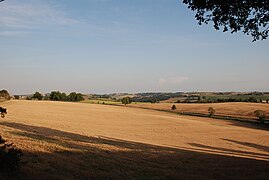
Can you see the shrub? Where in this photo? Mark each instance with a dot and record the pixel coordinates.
(4, 94)
(10, 157)
(75, 97)
(126, 100)
(260, 115)
(3, 112)
(211, 111)
(174, 107)
(38, 96)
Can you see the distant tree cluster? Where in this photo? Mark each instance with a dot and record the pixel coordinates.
(202, 99)
(5, 95)
(56, 96)
(154, 97)
(59, 96)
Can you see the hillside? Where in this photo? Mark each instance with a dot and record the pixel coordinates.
(237, 109)
(63, 140)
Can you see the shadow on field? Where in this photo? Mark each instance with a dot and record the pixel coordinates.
(81, 157)
(256, 146)
(250, 125)
(230, 151)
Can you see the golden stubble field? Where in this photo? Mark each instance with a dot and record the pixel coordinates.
(79, 141)
(237, 109)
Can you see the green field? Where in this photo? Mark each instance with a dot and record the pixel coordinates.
(100, 101)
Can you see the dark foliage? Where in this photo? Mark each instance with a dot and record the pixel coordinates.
(126, 100)
(58, 96)
(75, 97)
(174, 107)
(37, 96)
(3, 112)
(154, 97)
(10, 157)
(249, 16)
(5, 94)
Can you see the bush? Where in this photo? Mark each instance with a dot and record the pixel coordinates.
(37, 96)
(174, 107)
(260, 115)
(10, 157)
(75, 97)
(211, 111)
(126, 100)
(4, 94)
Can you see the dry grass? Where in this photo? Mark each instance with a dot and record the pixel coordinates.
(81, 141)
(238, 109)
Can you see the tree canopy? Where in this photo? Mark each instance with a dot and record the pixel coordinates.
(126, 100)
(58, 96)
(5, 94)
(38, 96)
(249, 16)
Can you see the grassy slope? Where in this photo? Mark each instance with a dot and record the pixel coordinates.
(75, 140)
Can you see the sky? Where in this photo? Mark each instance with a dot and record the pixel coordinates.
(109, 46)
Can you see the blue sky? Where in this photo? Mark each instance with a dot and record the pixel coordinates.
(105, 46)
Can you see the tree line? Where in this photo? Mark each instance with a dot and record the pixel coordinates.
(58, 96)
(220, 100)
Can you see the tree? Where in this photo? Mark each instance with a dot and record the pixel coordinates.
(5, 94)
(249, 16)
(174, 107)
(211, 111)
(260, 115)
(74, 97)
(38, 96)
(55, 96)
(126, 100)
(63, 97)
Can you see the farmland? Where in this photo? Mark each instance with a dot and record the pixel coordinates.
(236, 109)
(63, 140)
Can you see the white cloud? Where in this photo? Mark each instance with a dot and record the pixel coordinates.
(172, 80)
(18, 16)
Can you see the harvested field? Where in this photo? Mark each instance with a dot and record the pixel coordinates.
(81, 141)
(237, 109)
